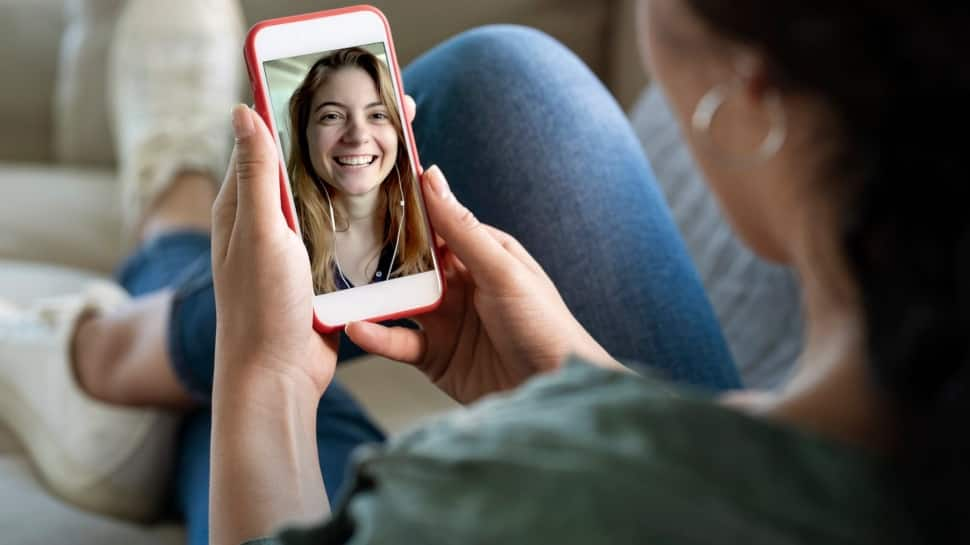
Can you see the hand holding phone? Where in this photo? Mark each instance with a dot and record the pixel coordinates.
(502, 320)
(261, 275)
(328, 86)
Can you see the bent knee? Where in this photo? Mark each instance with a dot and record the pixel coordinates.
(516, 38)
(513, 50)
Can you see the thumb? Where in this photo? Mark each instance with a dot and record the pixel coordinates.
(394, 343)
(257, 168)
(483, 256)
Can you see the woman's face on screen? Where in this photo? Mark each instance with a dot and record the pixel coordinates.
(353, 142)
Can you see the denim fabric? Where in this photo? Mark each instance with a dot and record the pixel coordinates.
(534, 144)
(181, 261)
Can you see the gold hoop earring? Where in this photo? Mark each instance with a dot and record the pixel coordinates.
(711, 103)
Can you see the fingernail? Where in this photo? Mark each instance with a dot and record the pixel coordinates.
(365, 328)
(242, 122)
(438, 183)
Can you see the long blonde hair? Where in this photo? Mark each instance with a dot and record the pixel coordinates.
(308, 187)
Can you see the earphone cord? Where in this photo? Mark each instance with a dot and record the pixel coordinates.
(397, 238)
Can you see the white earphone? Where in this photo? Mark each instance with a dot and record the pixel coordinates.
(397, 238)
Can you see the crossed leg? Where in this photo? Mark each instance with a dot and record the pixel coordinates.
(123, 357)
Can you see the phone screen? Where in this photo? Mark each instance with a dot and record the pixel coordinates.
(345, 150)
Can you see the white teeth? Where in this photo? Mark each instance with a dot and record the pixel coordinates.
(356, 160)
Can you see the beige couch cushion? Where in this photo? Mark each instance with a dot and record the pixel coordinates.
(67, 216)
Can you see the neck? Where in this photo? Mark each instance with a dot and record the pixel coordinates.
(832, 392)
(364, 221)
(359, 207)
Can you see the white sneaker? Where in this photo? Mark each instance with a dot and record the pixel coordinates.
(175, 71)
(113, 460)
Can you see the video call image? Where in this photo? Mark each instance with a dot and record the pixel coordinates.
(343, 142)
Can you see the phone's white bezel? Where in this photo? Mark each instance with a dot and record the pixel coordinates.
(397, 296)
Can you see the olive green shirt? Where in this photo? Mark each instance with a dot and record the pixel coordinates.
(591, 456)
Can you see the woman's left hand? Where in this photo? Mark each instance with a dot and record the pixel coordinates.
(271, 365)
(261, 270)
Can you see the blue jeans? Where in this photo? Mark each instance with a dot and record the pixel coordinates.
(534, 144)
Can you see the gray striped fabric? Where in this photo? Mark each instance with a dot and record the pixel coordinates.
(756, 302)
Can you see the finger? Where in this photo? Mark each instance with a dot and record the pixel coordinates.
(448, 260)
(224, 211)
(453, 263)
(486, 259)
(410, 108)
(396, 343)
(257, 170)
(514, 247)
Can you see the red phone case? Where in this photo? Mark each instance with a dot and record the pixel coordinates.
(263, 108)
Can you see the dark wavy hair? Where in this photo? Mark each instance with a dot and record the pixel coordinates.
(896, 77)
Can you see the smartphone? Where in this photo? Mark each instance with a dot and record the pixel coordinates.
(328, 86)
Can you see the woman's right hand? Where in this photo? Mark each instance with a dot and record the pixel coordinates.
(502, 319)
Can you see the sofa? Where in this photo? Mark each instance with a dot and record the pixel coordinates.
(57, 164)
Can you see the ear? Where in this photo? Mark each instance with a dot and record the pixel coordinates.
(751, 70)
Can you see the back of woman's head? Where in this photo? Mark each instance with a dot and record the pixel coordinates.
(896, 78)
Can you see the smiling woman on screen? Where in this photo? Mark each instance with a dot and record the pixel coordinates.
(351, 175)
